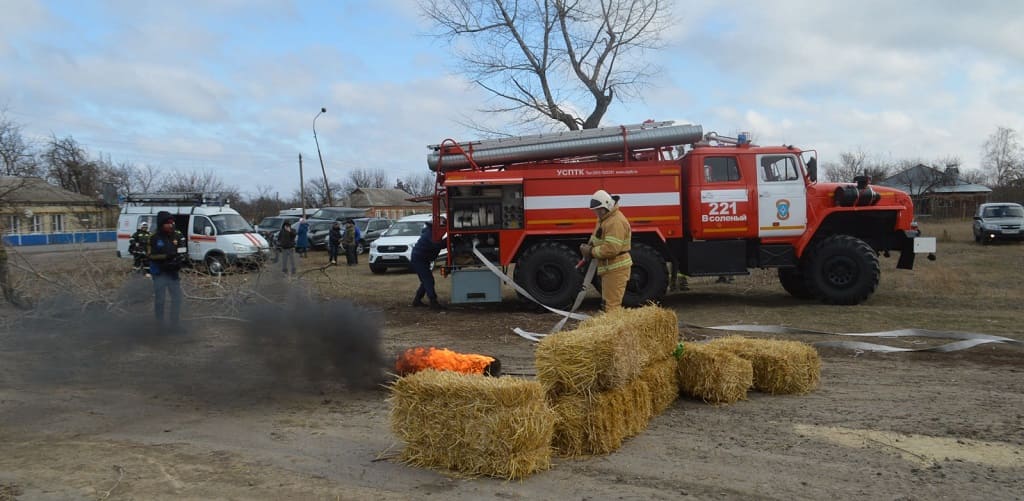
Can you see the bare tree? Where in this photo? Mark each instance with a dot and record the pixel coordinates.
(853, 164)
(68, 166)
(204, 182)
(366, 178)
(17, 154)
(9, 292)
(1003, 157)
(563, 60)
(419, 185)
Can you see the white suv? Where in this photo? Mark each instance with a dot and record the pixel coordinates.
(394, 247)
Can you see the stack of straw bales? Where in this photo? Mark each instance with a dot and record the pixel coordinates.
(721, 372)
(473, 424)
(780, 367)
(607, 378)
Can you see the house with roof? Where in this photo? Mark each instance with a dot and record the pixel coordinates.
(939, 193)
(389, 203)
(31, 206)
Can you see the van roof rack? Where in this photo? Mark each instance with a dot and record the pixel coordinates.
(176, 199)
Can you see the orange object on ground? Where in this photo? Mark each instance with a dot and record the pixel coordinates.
(420, 358)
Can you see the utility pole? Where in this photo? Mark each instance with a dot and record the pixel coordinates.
(327, 186)
(302, 188)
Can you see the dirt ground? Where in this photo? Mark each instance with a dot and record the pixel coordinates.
(111, 411)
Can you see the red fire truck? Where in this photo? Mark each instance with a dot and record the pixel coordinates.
(699, 205)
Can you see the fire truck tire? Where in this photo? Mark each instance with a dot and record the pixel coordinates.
(842, 269)
(215, 265)
(648, 279)
(378, 268)
(793, 280)
(646, 283)
(547, 270)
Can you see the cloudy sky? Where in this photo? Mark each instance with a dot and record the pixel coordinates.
(233, 86)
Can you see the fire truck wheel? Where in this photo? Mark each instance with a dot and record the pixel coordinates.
(792, 279)
(547, 270)
(378, 268)
(842, 270)
(215, 265)
(648, 279)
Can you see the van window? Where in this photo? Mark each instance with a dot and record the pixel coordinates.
(721, 169)
(200, 225)
(228, 224)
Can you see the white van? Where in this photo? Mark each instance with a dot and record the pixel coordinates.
(217, 235)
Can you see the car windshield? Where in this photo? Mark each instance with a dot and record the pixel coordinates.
(272, 222)
(230, 223)
(405, 229)
(337, 213)
(361, 224)
(320, 225)
(1004, 211)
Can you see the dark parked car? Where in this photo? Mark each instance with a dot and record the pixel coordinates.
(371, 229)
(338, 213)
(270, 225)
(318, 230)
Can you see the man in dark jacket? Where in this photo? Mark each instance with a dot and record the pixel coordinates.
(350, 239)
(334, 242)
(423, 255)
(286, 241)
(167, 251)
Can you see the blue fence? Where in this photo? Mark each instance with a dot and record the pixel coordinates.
(75, 237)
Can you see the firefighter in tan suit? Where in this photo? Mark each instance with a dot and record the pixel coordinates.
(610, 246)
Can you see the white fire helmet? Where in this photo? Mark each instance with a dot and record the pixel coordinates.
(601, 200)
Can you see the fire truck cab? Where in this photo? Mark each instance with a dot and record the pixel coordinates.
(723, 207)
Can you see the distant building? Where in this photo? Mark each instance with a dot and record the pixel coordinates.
(939, 193)
(386, 202)
(31, 205)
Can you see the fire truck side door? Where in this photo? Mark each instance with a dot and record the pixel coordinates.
(201, 238)
(725, 204)
(781, 196)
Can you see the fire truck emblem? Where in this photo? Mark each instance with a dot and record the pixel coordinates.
(782, 209)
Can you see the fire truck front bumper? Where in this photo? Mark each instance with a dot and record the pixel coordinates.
(913, 244)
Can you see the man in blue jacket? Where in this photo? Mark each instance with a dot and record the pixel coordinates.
(424, 253)
(167, 251)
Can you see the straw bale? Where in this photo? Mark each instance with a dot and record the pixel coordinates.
(599, 422)
(780, 367)
(605, 351)
(662, 382)
(714, 375)
(472, 424)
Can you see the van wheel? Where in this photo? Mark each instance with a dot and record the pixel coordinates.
(378, 268)
(842, 269)
(548, 272)
(215, 265)
(360, 248)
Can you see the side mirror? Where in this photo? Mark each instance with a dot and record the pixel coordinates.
(812, 169)
(977, 218)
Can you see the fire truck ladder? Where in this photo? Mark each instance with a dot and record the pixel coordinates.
(450, 155)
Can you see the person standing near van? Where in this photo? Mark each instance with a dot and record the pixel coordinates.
(350, 239)
(138, 246)
(164, 264)
(286, 241)
(333, 242)
(302, 242)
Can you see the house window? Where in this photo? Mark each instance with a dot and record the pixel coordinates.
(57, 222)
(37, 224)
(13, 224)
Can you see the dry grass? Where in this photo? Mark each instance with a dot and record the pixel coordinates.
(780, 367)
(598, 423)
